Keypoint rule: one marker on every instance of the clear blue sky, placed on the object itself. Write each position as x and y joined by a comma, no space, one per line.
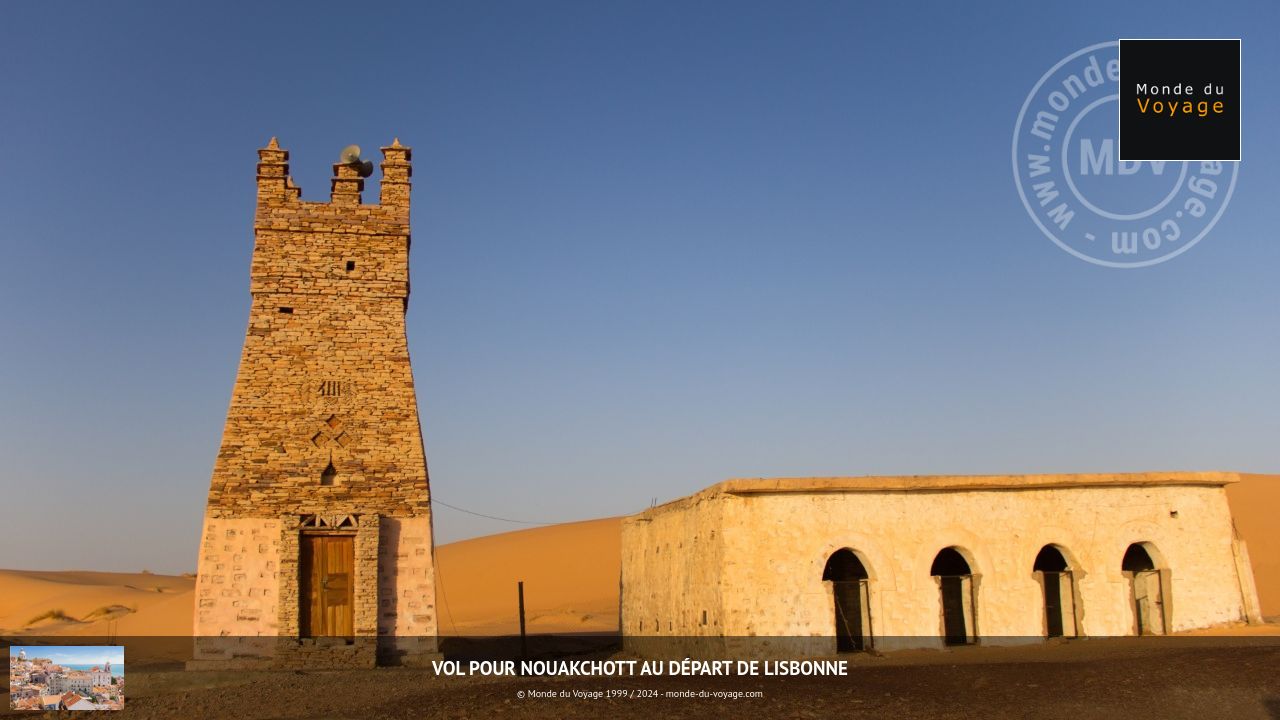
656,245
74,654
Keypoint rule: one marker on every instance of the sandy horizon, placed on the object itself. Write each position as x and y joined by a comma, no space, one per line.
571,573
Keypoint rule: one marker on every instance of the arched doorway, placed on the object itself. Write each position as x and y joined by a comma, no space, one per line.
1056,577
1149,588
850,590
955,584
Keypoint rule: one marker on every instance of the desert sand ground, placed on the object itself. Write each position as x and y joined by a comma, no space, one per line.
570,571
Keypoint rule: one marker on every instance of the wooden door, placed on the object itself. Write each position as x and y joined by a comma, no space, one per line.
864,606
970,622
1068,605
956,613
1148,602
328,586
849,614
1052,603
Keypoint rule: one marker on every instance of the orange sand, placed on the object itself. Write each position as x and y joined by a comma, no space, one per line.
1255,505
129,603
570,575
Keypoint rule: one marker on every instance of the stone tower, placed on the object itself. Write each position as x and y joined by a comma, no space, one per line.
317,544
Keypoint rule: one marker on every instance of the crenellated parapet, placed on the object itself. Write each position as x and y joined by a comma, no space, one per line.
341,245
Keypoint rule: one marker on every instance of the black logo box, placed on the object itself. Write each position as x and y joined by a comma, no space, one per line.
1208,133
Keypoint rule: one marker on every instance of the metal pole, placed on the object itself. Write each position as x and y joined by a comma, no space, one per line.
524,647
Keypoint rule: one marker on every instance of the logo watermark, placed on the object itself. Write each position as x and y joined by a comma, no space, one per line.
1082,196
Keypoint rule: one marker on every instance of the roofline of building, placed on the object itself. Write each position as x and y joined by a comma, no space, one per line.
927,483
948,483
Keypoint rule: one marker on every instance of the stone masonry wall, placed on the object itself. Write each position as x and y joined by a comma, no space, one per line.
323,419
407,618
325,377
238,576
775,546
672,573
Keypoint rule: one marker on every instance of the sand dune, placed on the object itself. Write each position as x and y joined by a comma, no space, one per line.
94,603
570,575
570,571
1255,505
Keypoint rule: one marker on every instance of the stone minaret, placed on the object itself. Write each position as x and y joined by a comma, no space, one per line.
317,543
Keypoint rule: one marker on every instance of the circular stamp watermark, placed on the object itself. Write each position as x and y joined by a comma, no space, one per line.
1104,210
